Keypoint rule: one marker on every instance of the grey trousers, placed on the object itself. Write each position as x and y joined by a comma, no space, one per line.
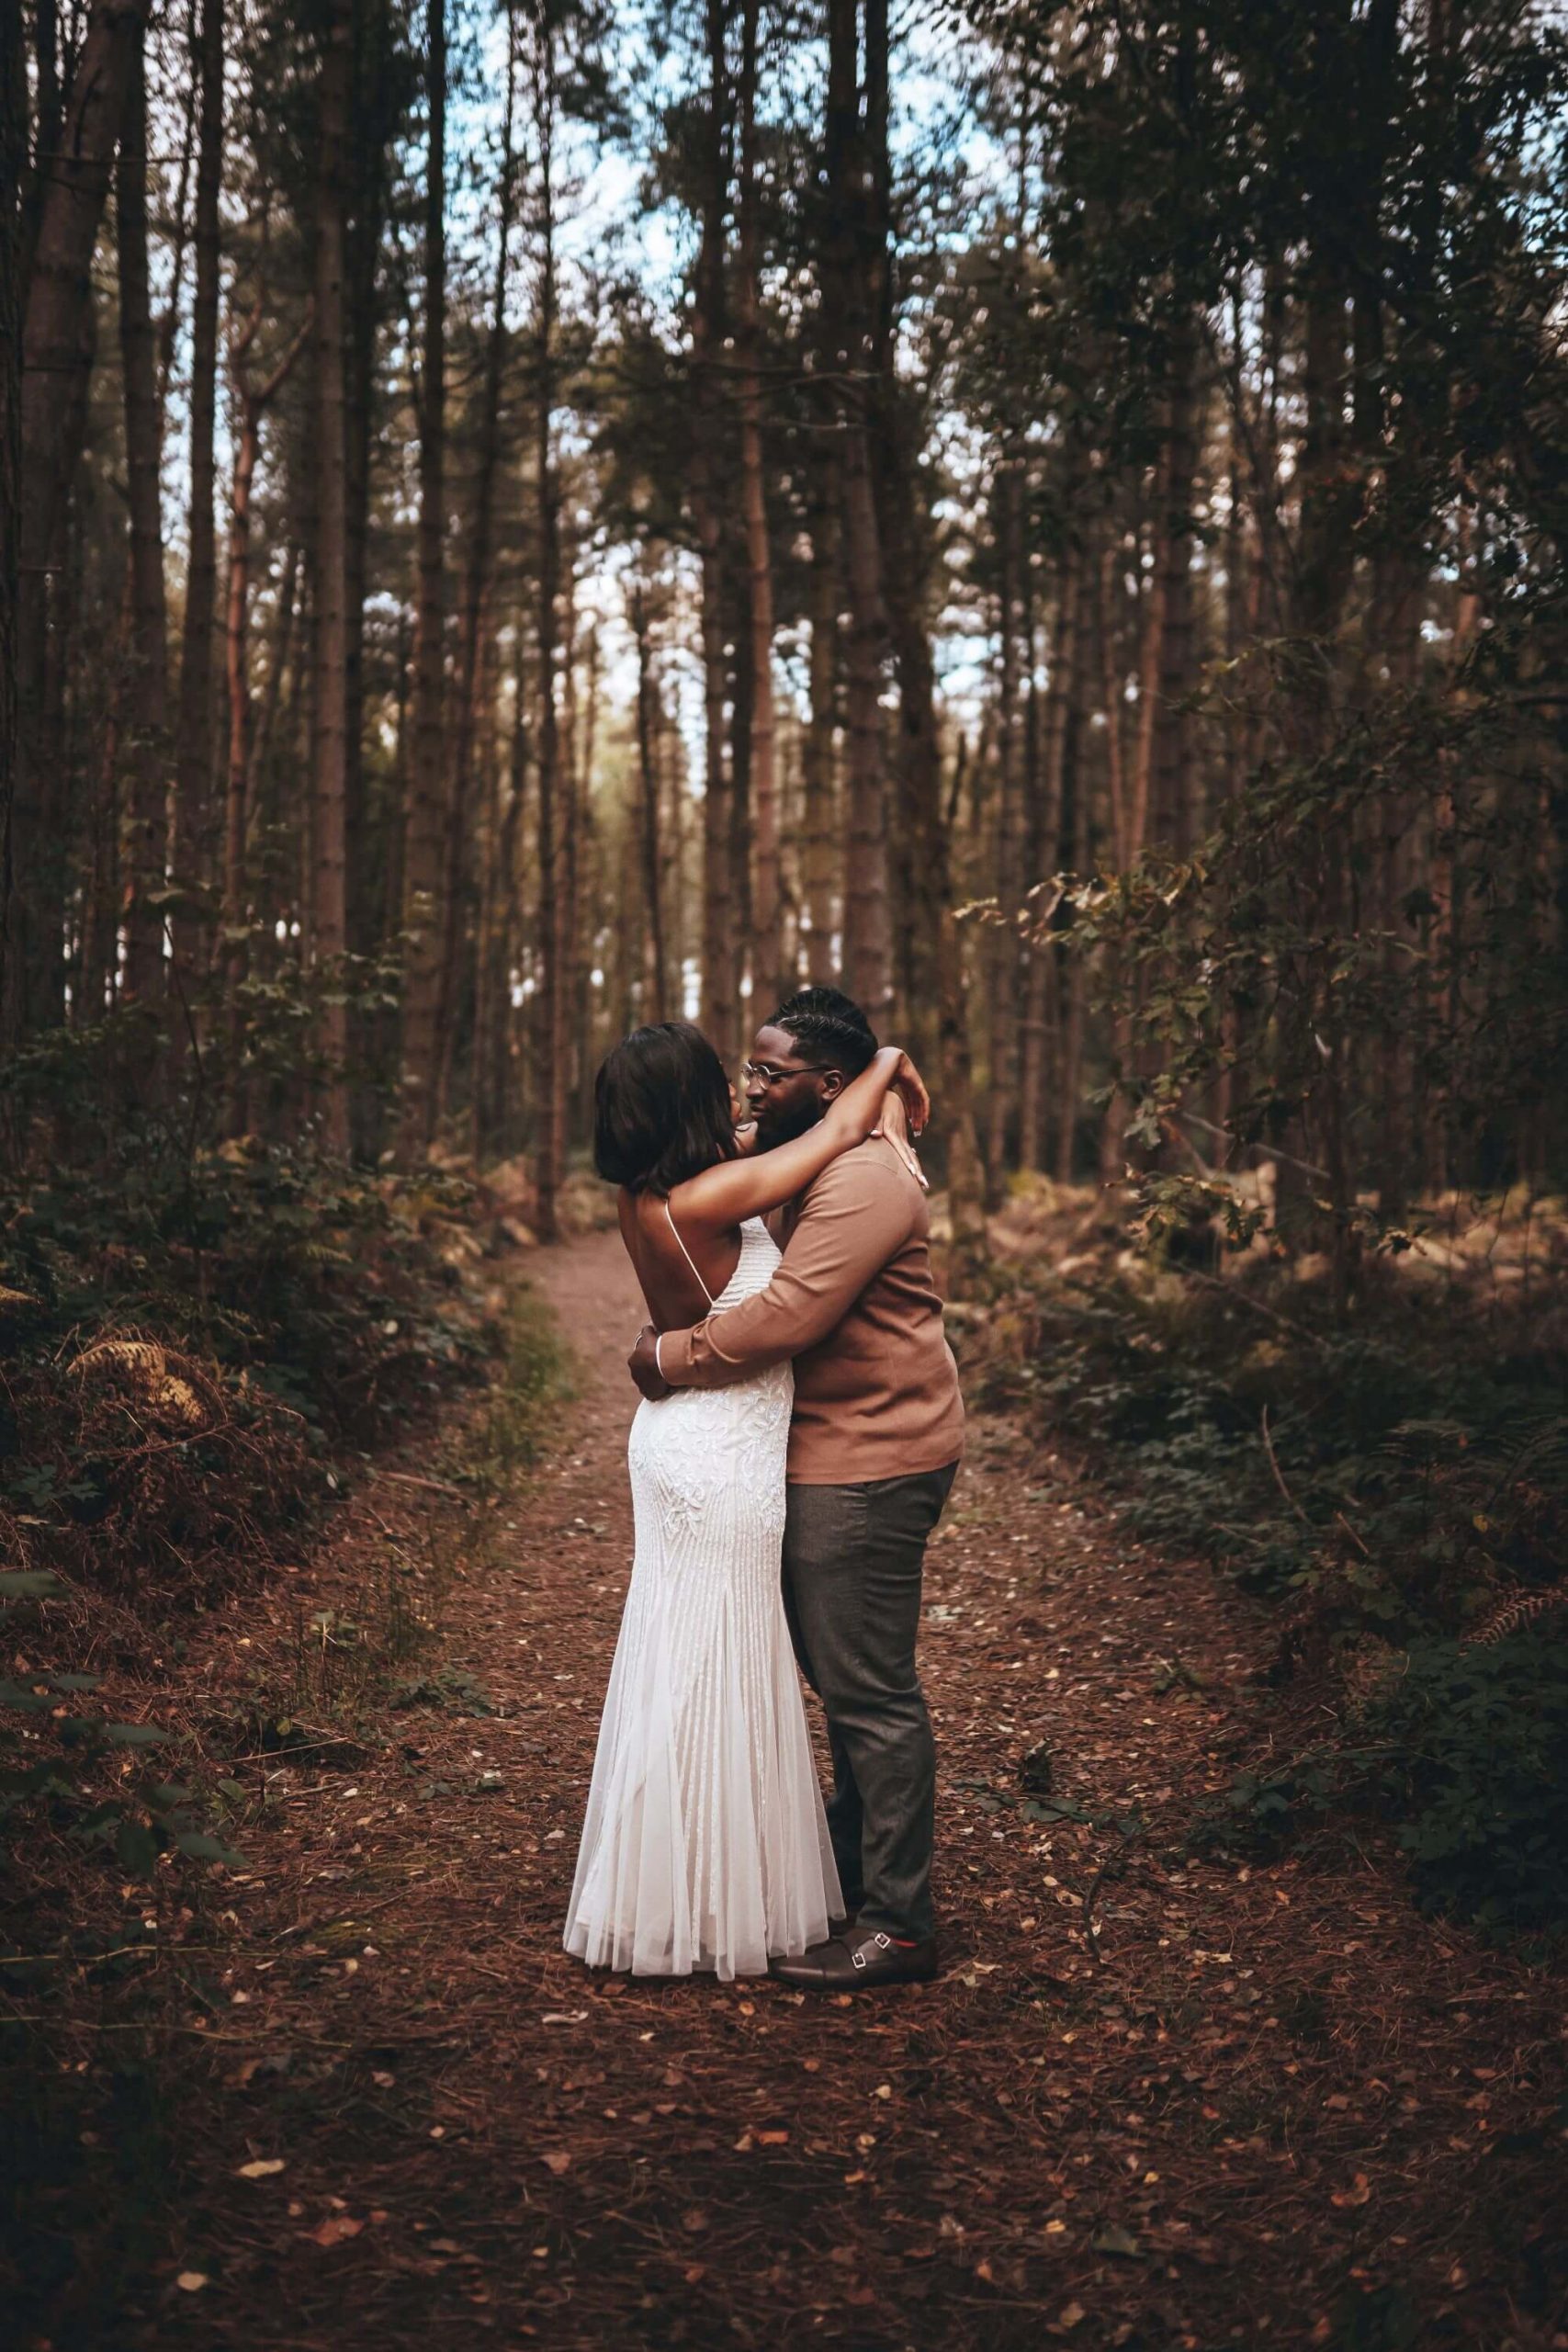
853,1560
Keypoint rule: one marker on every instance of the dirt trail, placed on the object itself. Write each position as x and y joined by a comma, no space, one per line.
1275,2106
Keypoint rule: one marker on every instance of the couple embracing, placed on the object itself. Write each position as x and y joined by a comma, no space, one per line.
800,1430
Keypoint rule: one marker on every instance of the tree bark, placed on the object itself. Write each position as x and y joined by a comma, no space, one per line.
57,352
192,845
1006,957
328,893
469,696
145,735
169,327
656,974
13,166
1175,823
940,998
766,922
854,273
555,776
424,854
819,856
1042,966
720,988
251,403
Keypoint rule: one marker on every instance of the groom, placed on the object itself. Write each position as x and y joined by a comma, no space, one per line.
873,1444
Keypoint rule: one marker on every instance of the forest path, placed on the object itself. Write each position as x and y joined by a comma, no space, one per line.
1277,2108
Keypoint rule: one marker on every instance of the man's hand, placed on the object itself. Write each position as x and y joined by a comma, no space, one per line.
643,1365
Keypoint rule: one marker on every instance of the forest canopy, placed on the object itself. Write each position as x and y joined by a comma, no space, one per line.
521,523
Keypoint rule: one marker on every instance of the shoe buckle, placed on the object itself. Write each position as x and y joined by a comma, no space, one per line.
883,1942
859,1957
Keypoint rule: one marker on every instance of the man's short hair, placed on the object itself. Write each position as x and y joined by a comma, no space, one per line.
830,1026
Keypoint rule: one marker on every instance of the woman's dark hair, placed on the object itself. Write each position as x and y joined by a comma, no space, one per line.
829,1025
661,1110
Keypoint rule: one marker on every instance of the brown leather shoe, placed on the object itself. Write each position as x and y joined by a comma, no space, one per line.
856,1961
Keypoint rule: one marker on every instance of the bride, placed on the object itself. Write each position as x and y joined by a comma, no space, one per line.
704,1845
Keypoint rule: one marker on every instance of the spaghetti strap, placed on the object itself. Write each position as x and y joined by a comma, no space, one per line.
686,1254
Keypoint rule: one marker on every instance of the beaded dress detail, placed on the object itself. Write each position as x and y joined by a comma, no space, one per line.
704,1844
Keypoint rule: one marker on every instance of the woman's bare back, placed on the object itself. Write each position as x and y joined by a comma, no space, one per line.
673,1276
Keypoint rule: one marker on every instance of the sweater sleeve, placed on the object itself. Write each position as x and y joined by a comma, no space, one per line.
855,1218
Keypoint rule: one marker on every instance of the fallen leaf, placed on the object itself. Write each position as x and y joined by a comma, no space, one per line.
772,2139
262,2169
694,2219
1070,2315
334,2231
559,2160
1114,2238
192,2281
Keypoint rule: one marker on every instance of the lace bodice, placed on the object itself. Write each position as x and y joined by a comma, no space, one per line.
760,1253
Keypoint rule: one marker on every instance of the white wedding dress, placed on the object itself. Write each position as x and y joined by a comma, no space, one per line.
704,1845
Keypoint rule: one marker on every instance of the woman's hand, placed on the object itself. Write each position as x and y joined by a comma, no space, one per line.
894,1129
910,1089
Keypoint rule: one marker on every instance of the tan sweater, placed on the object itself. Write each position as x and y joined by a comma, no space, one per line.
853,1304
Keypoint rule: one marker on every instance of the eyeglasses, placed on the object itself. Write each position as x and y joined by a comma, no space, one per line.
767,1074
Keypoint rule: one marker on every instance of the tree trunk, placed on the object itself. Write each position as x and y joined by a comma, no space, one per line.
555,777
766,922
328,893
251,402
169,326
818,858
1005,956
720,993
57,352
738,641
1041,968
1175,823
146,696
13,165
366,197
656,974
470,699
940,998
192,845
424,854
853,272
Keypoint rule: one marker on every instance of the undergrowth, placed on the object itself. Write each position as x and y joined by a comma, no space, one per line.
1396,1484
537,1377
194,1339
184,1339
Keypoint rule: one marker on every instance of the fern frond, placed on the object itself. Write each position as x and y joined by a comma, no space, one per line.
1520,1609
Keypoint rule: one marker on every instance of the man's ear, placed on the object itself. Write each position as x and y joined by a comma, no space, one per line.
832,1083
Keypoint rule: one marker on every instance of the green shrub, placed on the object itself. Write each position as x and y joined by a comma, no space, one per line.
1399,1482
182,1336
538,1377
1477,1775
